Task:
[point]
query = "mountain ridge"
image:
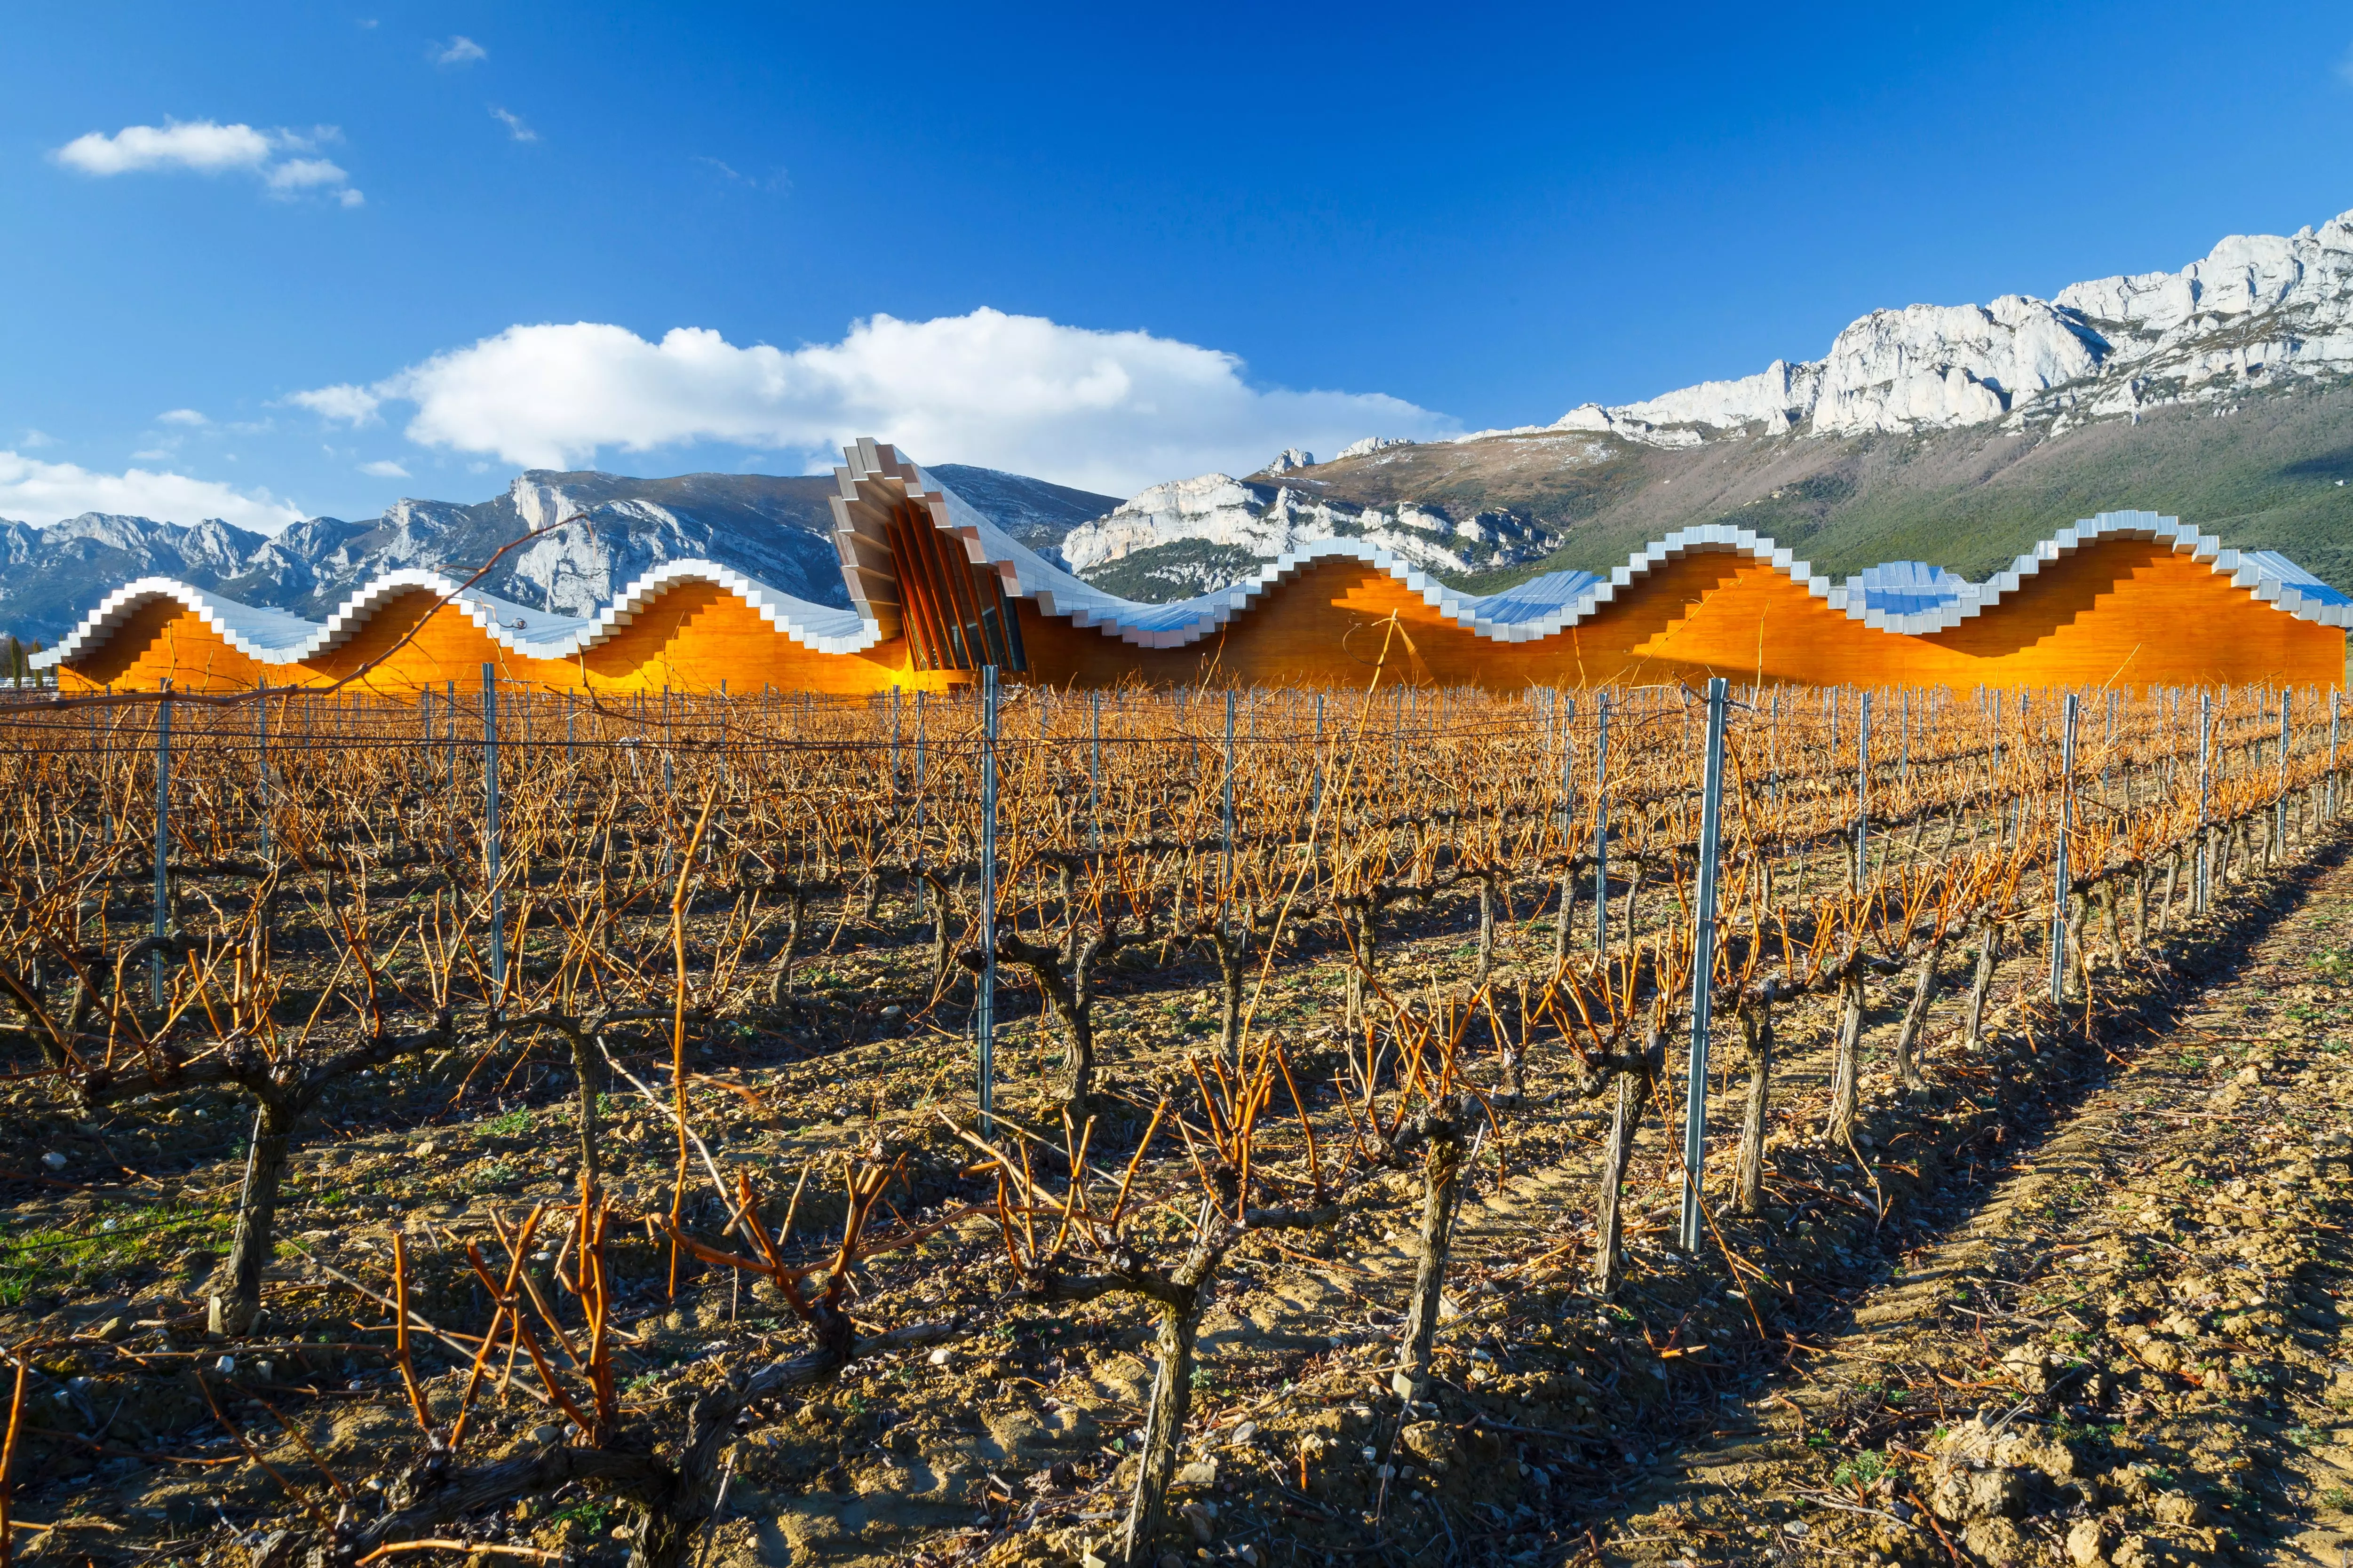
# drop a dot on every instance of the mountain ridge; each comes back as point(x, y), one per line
point(1958, 436)
point(776, 527)
point(2256, 307)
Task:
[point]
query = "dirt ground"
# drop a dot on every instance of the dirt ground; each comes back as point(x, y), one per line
point(2133, 1350)
point(2078, 1304)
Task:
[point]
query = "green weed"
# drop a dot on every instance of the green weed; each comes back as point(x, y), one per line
point(1862, 1469)
point(589, 1514)
point(103, 1243)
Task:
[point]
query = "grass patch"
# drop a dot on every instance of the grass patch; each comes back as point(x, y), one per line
point(105, 1243)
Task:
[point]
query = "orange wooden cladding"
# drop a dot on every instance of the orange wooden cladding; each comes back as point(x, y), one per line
point(2123, 611)
point(690, 639)
point(2127, 612)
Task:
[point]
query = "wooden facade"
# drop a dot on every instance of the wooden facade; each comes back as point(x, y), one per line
point(2128, 613)
point(696, 638)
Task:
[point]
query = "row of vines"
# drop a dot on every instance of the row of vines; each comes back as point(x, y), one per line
point(276, 894)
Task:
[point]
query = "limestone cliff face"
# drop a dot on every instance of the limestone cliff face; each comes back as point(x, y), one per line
point(1247, 519)
point(2258, 309)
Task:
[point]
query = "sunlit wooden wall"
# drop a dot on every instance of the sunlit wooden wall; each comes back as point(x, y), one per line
point(693, 638)
point(2129, 611)
point(2122, 612)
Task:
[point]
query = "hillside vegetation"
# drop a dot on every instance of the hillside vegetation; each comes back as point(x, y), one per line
point(2268, 472)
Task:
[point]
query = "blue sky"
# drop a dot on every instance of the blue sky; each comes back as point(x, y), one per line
point(367, 250)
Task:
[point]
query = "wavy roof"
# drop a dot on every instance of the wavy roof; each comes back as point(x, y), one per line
point(275, 637)
point(1908, 598)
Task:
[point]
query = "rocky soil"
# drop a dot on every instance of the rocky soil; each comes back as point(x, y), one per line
point(2075, 1304)
point(2135, 1353)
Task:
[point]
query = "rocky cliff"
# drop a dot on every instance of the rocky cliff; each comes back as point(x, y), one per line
point(1953, 434)
point(2259, 309)
point(1187, 535)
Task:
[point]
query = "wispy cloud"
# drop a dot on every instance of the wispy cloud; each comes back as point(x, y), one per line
point(459, 50)
point(344, 404)
point(208, 147)
point(297, 175)
point(1107, 410)
point(36, 440)
point(776, 182)
point(383, 468)
point(2345, 67)
point(187, 416)
point(514, 122)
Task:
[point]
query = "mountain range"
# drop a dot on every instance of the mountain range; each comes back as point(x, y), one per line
point(1958, 436)
point(776, 529)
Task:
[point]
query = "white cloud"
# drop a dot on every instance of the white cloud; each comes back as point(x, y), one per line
point(383, 468)
point(515, 127)
point(36, 440)
point(187, 416)
point(344, 404)
point(460, 50)
point(200, 144)
point(1110, 411)
point(37, 492)
point(304, 174)
point(309, 141)
point(206, 147)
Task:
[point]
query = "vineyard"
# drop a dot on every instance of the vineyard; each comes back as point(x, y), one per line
point(1142, 1126)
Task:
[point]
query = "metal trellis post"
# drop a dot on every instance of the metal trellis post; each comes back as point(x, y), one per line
point(491, 839)
point(1602, 825)
point(1862, 794)
point(2279, 802)
point(1904, 740)
point(162, 923)
point(1566, 707)
point(2205, 797)
point(450, 724)
point(2058, 860)
point(262, 760)
point(1711, 824)
point(984, 1012)
point(1227, 818)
